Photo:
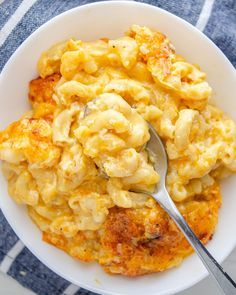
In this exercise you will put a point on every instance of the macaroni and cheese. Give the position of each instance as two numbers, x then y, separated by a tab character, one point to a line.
78	156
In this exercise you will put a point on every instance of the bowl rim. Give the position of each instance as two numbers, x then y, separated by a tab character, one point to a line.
33	35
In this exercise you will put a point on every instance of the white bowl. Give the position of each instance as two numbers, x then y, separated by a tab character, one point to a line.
111	19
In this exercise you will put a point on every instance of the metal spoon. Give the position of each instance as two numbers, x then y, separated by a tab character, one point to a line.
158	155
157	151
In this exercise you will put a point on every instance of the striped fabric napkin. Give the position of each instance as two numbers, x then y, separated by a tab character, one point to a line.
18	19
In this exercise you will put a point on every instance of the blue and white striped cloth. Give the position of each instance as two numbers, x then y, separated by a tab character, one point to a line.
18	19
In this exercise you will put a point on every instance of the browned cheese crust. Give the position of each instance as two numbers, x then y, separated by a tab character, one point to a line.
139	241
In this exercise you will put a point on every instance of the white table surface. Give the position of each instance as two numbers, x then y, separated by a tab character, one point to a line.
8	286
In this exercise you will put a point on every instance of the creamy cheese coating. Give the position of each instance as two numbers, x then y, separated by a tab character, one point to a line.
77	156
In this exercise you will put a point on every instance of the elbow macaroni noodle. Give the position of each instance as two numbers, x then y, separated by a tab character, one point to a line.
89	117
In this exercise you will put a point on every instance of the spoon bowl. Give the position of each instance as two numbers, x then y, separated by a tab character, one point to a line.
158	156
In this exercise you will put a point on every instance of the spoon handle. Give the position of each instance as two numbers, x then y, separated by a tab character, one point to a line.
224	281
